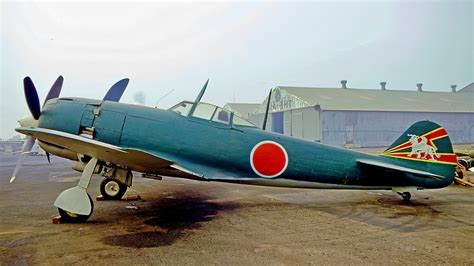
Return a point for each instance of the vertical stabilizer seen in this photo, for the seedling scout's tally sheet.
(425, 146)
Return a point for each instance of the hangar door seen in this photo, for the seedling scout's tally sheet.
(277, 122)
(303, 123)
(287, 123)
(297, 123)
(311, 124)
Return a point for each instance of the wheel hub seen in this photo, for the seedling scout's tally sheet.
(112, 188)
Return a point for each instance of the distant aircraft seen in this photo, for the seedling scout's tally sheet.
(201, 141)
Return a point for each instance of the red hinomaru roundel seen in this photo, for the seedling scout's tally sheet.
(268, 159)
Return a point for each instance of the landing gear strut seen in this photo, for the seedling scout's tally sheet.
(405, 195)
(112, 189)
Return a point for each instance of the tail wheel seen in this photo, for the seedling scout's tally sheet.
(111, 189)
(405, 195)
(70, 217)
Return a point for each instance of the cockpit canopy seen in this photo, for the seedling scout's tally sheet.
(211, 112)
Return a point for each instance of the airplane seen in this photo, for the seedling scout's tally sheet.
(201, 141)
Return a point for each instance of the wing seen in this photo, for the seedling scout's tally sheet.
(136, 159)
(145, 161)
(398, 168)
(197, 169)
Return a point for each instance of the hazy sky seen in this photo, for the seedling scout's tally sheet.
(245, 48)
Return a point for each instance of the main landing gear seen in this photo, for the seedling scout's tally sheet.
(405, 195)
(71, 217)
(111, 189)
(74, 204)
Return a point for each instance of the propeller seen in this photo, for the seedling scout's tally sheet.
(32, 98)
(33, 103)
(55, 89)
(116, 91)
(25, 151)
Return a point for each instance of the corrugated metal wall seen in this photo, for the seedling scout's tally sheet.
(297, 123)
(376, 129)
(311, 124)
(302, 123)
(364, 129)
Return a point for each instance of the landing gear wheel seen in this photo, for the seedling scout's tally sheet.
(405, 195)
(111, 189)
(70, 217)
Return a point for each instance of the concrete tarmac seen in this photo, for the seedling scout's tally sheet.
(189, 222)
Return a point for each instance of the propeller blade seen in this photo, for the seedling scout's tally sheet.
(115, 92)
(32, 98)
(47, 156)
(25, 151)
(55, 89)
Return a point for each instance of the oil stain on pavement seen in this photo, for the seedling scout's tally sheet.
(170, 218)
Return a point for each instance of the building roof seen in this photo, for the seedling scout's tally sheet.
(376, 100)
(242, 109)
(469, 88)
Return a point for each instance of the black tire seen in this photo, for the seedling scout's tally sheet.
(111, 189)
(69, 217)
(464, 163)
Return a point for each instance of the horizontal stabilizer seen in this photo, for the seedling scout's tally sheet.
(399, 168)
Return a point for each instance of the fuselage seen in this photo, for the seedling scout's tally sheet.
(225, 148)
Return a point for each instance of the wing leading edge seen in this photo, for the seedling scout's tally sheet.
(136, 159)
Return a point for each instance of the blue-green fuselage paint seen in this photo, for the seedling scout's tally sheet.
(223, 151)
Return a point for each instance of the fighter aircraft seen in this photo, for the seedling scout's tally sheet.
(201, 141)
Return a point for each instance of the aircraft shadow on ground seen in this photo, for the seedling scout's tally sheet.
(387, 212)
(391, 213)
(169, 219)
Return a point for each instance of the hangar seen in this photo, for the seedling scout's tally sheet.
(365, 117)
(242, 109)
